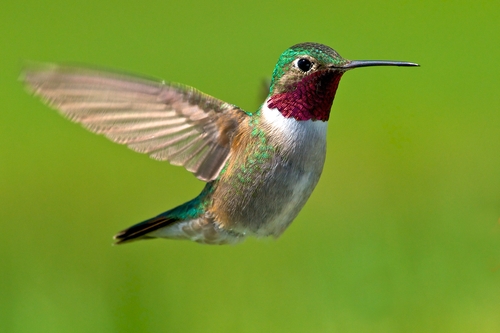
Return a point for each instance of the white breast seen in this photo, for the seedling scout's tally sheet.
(305, 142)
(290, 129)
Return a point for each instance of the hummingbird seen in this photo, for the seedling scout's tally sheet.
(259, 167)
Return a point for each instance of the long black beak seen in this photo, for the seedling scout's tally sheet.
(367, 63)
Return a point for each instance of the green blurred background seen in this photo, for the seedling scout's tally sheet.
(401, 235)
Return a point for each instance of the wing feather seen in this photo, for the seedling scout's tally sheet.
(167, 121)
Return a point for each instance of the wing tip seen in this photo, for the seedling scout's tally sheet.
(34, 73)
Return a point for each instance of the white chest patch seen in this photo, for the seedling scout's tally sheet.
(305, 141)
(290, 128)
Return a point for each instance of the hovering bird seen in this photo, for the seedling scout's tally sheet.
(260, 167)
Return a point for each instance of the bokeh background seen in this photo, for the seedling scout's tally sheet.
(401, 235)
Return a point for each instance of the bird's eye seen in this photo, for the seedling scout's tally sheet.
(304, 64)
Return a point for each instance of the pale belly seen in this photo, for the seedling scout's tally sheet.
(263, 199)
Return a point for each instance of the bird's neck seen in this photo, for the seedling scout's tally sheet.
(309, 99)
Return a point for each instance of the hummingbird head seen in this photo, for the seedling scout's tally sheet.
(306, 78)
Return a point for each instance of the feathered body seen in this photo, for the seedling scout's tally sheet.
(260, 167)
(274, 165)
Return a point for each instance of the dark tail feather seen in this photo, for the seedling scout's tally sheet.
(140, 230)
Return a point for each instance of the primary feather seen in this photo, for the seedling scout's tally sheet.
(166, 121)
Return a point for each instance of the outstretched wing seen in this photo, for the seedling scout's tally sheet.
(167, 121)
